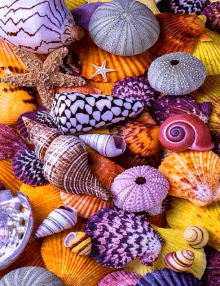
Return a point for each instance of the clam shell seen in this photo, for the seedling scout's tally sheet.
(7, 177)
(120, 278)
(16, 225)
(78, 242)
(180, 261)
(196, 236)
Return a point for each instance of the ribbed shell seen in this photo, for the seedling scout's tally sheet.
(176, 74)
(211, 276)
(120, 278)
(212, 12)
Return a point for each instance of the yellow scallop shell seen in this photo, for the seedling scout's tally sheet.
(7, 177)
(72, 4)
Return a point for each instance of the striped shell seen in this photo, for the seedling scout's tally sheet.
(196, 236)
(176, 74)
(120, 278)
(63, 217)
(124, 27)
(78, 242)
(30, 276)
(180, 260)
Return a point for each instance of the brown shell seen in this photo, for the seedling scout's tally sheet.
(158, 220)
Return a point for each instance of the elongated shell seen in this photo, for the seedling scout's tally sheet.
(180, 260)
(79, 242)
(196, 236)
(30, 276)
(63, 217)
(124, 27)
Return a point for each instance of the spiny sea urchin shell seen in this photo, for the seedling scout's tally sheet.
(182, 6)
(212, 12)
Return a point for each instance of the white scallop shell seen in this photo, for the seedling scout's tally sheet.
(63, 217)
(16, 225)
(124, 27)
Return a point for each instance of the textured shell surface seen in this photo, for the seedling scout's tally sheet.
(216, 140)
(118, 237)
(30, 276)
(124, 27)
(211, 275)
(63, 217)
(212, 12)
(176, 73)
(196, 236)
(180, 261)
(79, 242)
(78, 112)
(16, 225)
(140, 188)
(120, 278)
(36, 26)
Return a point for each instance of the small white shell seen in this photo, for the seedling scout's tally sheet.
(106, 145)
(196, 236)
(63, 217)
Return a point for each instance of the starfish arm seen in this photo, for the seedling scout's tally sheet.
(60, 79)
(29, 59)
(54, 59)
(25, 79)
(46, 92)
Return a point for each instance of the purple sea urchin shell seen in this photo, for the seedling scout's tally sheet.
(70, 64)
(211, 276)
(168, 106)
(140, 188)
(212, 12)
(136, 87)
(120, 278)
(119, 237)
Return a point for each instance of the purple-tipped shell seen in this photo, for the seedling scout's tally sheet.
(120, 278)
(212, 12)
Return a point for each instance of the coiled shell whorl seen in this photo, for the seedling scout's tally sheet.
(196, 236)
(180, 260)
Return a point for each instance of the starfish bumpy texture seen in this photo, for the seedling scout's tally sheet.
(43, 75)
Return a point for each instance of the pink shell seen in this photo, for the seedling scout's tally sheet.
(120, 278)
(181, 132)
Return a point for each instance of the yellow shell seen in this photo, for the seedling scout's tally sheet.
(71, 4)
(196, 236)
(79, 242)
(193, 175)
(184, 214)
(7, 177)
(173, 241)
(180, 261)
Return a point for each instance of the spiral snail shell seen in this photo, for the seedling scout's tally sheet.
(180, 260)
(181, 132)
(79, 242)
(196, 236)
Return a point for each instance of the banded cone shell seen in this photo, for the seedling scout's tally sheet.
(196, 236)
(79, 242)
(180, 260)
(63, 217)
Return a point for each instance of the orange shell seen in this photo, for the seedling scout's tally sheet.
(158, 220)
(105, 87)
(86, 89)
(7, 177)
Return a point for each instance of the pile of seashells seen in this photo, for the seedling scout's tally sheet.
(109, 143)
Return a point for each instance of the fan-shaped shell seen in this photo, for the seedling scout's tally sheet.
(30, 276)
(180, 261)
(78, 242)
(71, 4)
(7, 177)
(212, 13)
(176, 74)
(196, 236)
(120, 278)
(104, 87)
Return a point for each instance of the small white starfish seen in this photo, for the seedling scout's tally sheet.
(101, 70)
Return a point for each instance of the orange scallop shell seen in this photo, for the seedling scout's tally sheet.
(7, 177)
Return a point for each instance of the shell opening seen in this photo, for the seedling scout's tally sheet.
(140, 181)
(69, 237)
(67, 208)
(174, 62)
(119, 143)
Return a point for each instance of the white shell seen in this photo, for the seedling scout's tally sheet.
(106, 145)
(124, 27)
(63, 217)
(38, 26)
(16, 225)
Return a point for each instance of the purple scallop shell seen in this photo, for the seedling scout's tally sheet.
(82, 14)
(136, 87)
(212, 12)
(211, 276)
(28, 168)
(168, 106)
(216, 140)
(70, 64)
(120, 278)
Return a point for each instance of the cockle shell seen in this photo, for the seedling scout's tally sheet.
(64, 217)
(36, 26)
(120, 278)
(196, 236)
(30, 276)
(212, 13)
(176, 74)
(140, 188)
(180, 260)
(193, 175)
(16, 225)
(106, 145)
(78, 242)
(78, 112)
(181, 132)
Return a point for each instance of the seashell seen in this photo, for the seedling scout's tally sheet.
(26, 29)
(179, 33)
(181, 132)
(106, 145)
(64, 217)
(105, 87)
(70, 64)
(78, 242)
(77, 112)
(180, 260)
(30, 276)
(140, 188)
(1, 187)
(212, 14)
(16, 224)
(216, 141)
(72, 4)
(211, 276)
(129, 27)
(87, 89)
(165, 206)
(168, 106)
(135, 87)
(120, 278)
(168, 277)
(193, 175)
(111, 232)
(59, 152)
(7, 177)
(176, 74)
(196, 236)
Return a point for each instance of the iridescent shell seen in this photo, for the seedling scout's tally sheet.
(140, 188)
(180, 260)
(120, 278)
(30, 276)
(212, 13)
(211, 276)
(124, 27)
(176, 74)
(196, 236)
(16, 225)
(78, 242)
(114, 239)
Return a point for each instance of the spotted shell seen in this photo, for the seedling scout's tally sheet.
(120, 278)
(180, 260)
(196, 236)
(212, 13)
(78, 242)
(176, 74)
